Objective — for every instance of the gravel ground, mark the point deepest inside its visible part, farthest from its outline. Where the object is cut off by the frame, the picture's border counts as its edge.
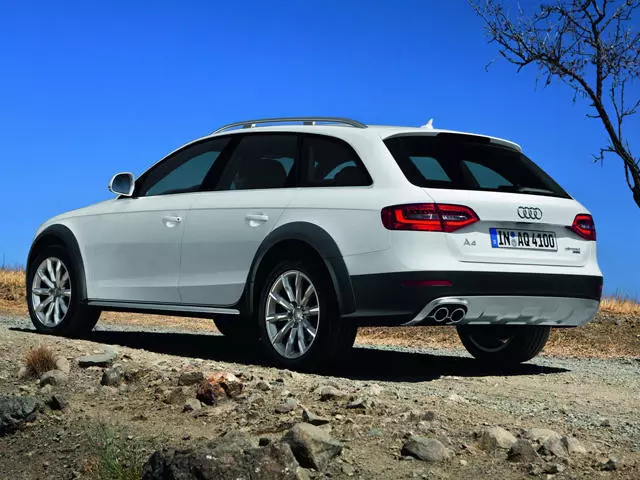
(593, 400)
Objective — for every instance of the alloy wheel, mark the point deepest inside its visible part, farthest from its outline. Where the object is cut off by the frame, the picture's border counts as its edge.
(51, 291)
(292, 314)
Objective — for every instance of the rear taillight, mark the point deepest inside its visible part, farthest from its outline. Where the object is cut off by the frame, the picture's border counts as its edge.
(430, 217)
(583, 225)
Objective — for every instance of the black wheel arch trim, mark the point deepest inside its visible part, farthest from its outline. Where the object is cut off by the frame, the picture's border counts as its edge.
(67, 239)
(322, 242)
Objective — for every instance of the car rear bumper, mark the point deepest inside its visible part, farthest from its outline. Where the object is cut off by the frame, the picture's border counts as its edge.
(396, 299)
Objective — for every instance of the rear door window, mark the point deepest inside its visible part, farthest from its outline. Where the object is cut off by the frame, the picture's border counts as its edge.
(469, 163)
(261, 161)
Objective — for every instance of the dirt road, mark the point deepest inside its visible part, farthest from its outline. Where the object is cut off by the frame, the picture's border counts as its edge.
(384, 397)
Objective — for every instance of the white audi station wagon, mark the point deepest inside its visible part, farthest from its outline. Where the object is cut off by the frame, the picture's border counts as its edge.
(296, 231)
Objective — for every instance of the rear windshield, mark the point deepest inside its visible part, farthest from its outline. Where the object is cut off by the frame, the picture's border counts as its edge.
(469, 163)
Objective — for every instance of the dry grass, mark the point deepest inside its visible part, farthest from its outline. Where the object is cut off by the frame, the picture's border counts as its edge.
(621, 304)
(614, 333)
(39, 360)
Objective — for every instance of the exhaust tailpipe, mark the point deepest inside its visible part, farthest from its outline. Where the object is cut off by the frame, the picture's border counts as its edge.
(449, 314)
(441, 314)
(458, 315)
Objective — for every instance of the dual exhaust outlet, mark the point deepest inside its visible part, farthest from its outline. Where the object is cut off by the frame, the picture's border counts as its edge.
(448, 314)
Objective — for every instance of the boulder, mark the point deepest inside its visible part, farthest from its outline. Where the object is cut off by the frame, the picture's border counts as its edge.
(63, 364)
(312, 446)
(192, 377)
(522, 452)
(553, 446)
(112, 377)
(102, 360)
(273, 462)
(426, 449)
(14, 411)
(287, 406)
(331, 393)
(176, 396)
(573, 446)
(53, 377)
(540, 435)
(494, 438)
(192, 405)
(313, 419)
(218, 387)
(57, 402)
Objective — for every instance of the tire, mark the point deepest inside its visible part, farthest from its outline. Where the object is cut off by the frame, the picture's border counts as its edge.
(503, 345)
(333, 337)
(236, 327)
(64, 290)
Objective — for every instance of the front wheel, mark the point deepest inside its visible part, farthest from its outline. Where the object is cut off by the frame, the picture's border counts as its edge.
(503, 345)
(298, 318)
(54, 295)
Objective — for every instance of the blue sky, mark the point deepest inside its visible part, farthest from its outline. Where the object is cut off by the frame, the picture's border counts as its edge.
(95, 88)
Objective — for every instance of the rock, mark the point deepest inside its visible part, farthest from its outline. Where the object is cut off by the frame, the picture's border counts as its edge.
(112, 377)
(422, 416)
(273, 462)
(573, 446)
(426, 449)
(264, 386)
(313, 419)
(192, 377)
(57, 402)
(553, 446)
(14, 411)
(102, 360)
(374, 389)
(331, 393)
(63, 364)
(53, 377)
(523, 452)
(192, 405)
(233, 440)
(540, 435)
(176, 396)
(23, 373)
(264, 441)
(312, 446)
(454, 397)
(608, 465)
(359, 403)
(287, 406)
(219, 386)
(495, 438)
(605, 422)
(553, 468)
(46, 390)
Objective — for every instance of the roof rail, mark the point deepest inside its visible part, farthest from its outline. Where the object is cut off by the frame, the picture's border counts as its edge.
(304, 120)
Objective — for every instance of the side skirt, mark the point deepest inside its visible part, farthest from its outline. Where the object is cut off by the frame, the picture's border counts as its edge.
(201, 311)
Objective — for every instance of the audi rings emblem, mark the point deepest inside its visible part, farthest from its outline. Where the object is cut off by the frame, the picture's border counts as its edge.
(530, 213)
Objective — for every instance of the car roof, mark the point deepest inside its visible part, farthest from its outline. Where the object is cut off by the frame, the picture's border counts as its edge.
(380, 131)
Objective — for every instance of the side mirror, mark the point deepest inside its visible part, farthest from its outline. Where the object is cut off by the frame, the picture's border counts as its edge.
(122, 184)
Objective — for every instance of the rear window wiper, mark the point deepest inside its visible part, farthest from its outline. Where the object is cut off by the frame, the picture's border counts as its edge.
(532, 190)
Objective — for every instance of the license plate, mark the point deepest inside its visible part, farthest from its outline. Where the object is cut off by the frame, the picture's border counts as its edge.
(523, 239)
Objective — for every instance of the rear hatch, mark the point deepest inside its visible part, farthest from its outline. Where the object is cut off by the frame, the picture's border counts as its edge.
(524, 216)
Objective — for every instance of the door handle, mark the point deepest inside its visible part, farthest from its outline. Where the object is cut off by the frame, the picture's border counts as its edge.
(171, 220)
(256, 219)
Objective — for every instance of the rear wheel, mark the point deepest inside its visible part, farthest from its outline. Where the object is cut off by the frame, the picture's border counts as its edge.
(503, 345)
(298, 317)
(54, 295)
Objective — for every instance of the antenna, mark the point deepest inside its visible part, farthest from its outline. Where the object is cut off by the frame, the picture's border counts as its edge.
(428, 125)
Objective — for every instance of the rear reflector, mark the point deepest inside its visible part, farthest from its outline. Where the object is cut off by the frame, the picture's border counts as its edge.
(584, 226)
(429, 217)
(426, 283)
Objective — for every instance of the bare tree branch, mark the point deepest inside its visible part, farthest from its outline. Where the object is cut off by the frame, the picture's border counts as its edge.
(589, 45)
